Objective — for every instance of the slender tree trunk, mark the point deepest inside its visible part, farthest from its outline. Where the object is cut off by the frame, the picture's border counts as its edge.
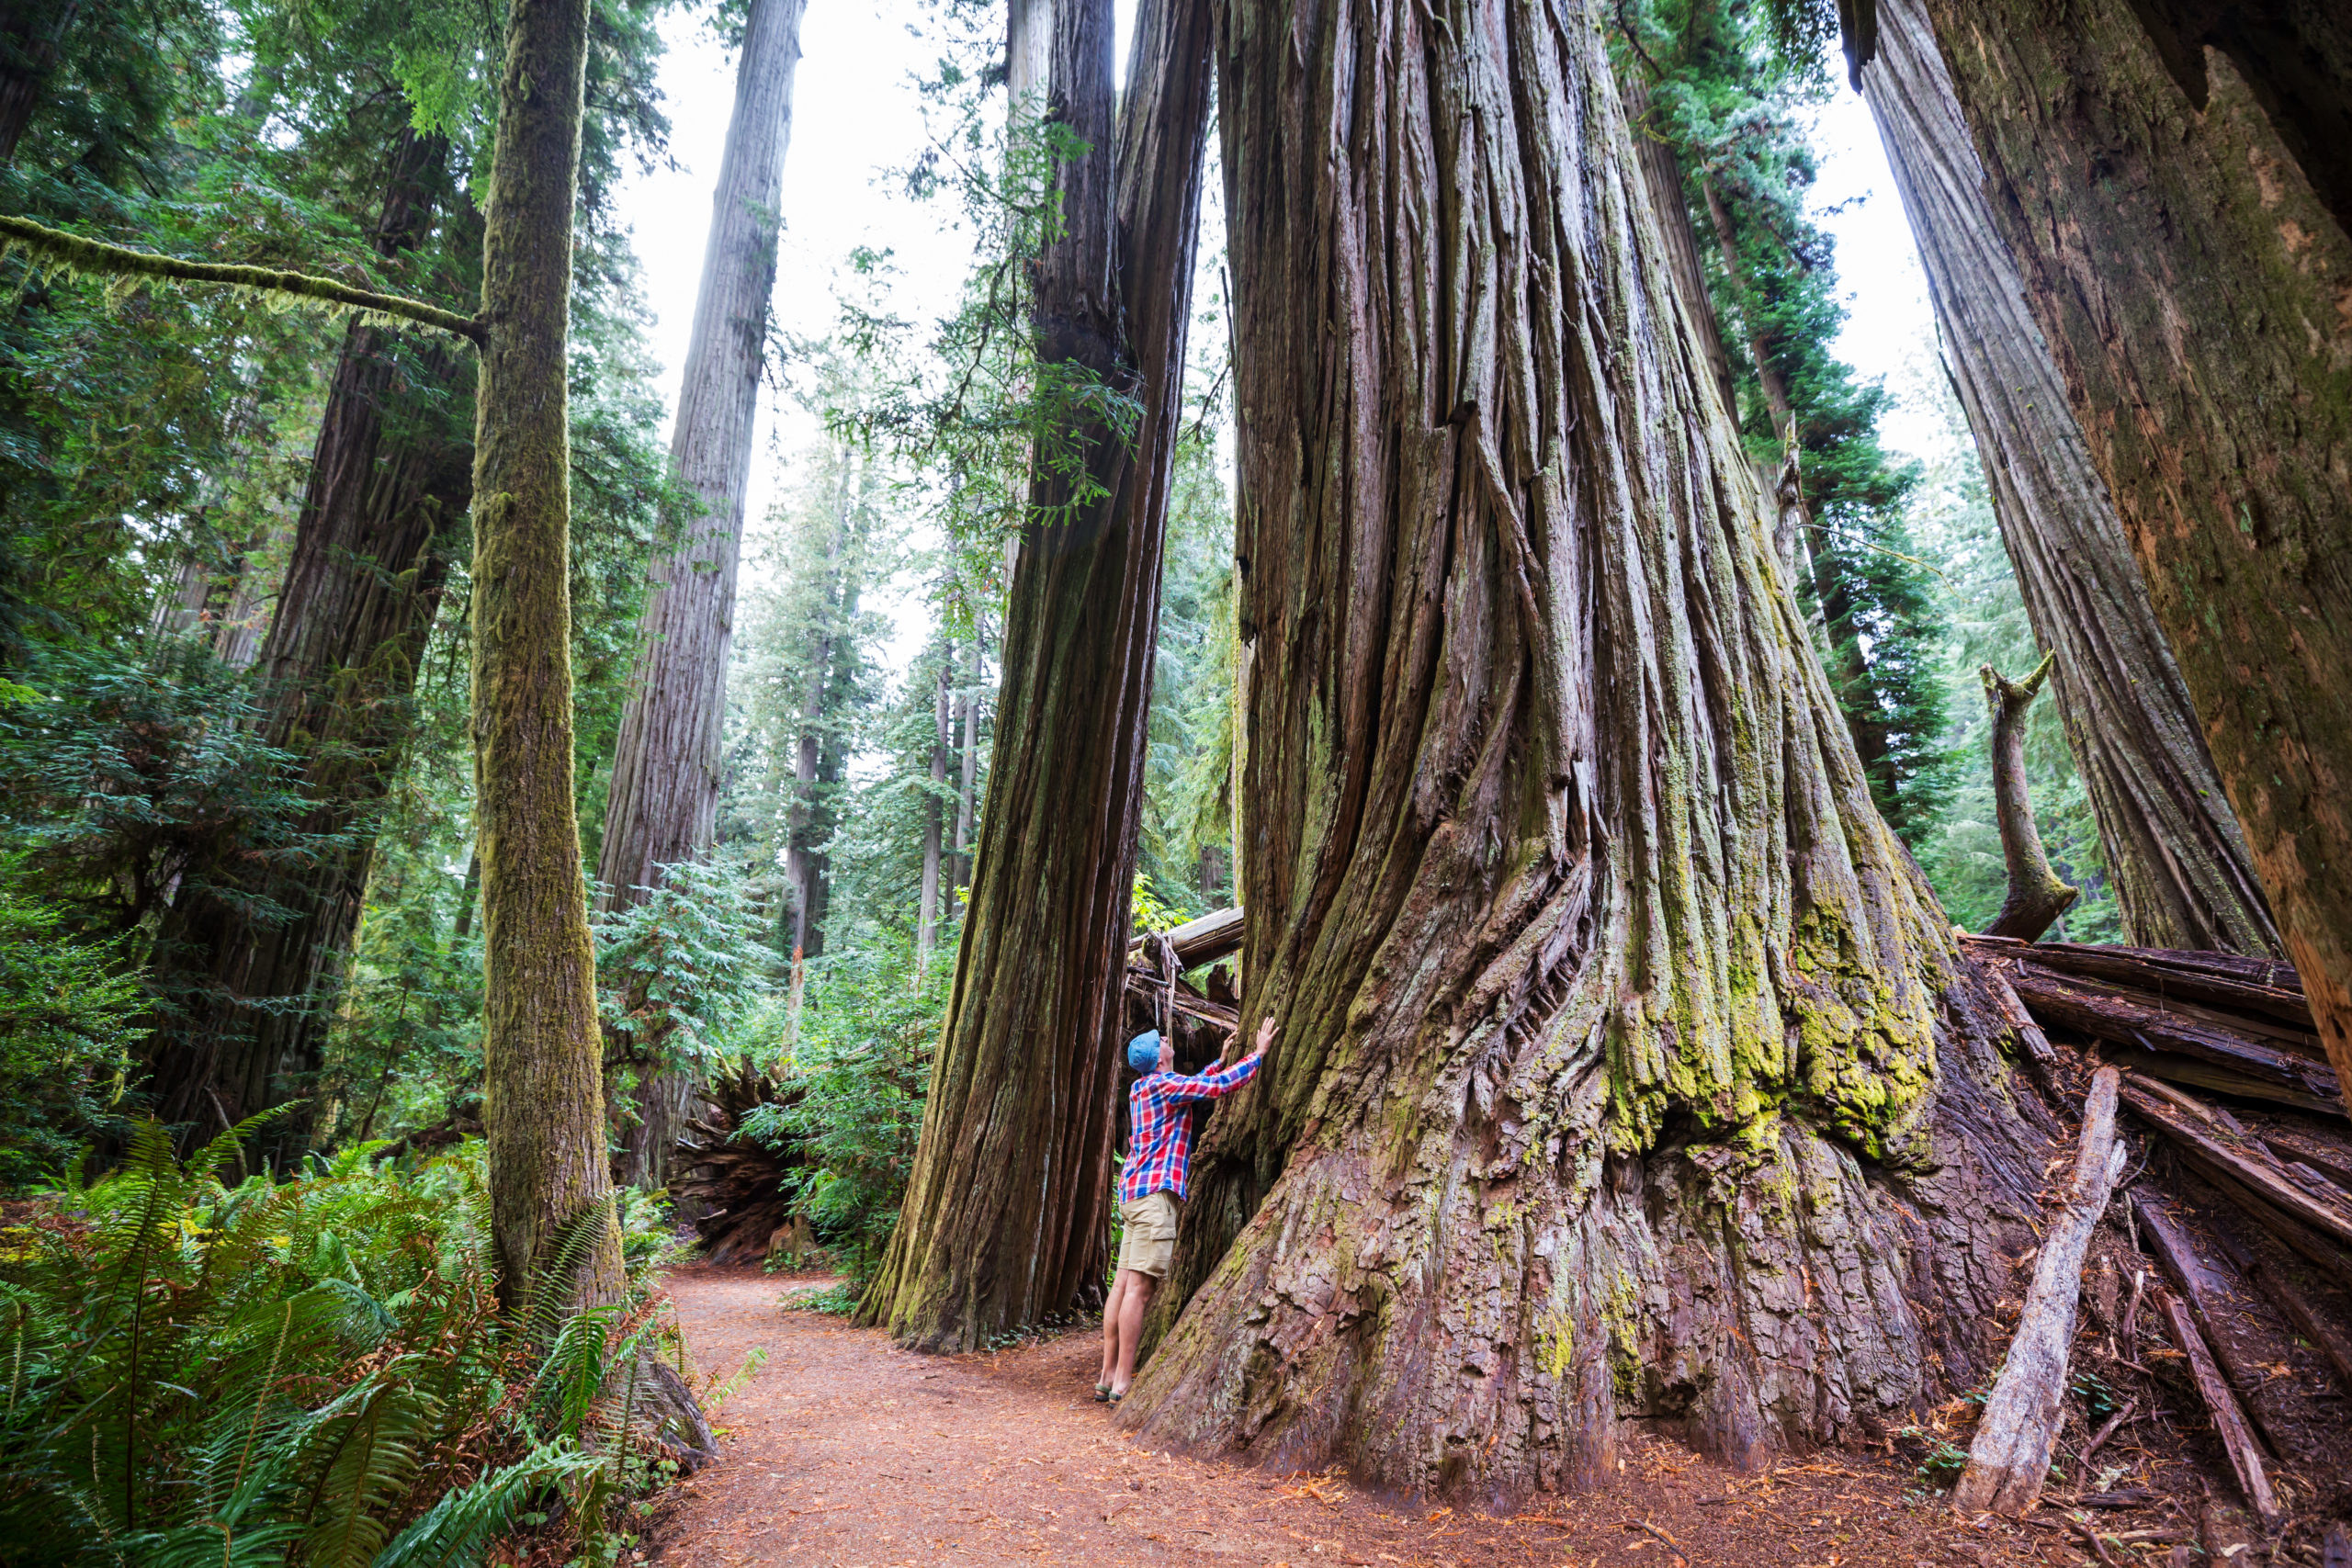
(246, 982)
(1005, 1216)
(2182, 874)
(542, 1053)
(808, 819)
(927, 912)
(1626, 1066)
(666, 761)
(2182, 236)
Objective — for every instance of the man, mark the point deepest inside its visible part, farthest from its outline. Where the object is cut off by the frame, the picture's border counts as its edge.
(1152, 1186)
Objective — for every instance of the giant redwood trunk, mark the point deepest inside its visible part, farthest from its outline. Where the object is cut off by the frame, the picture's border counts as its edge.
(1005, 1217)
(1626, 1066)
(543, 1088)
(245, 977)
(2182, 874)
(2177, 191)
(665, 801)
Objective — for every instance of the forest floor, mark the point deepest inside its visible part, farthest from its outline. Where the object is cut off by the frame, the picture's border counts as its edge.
(843, 1449)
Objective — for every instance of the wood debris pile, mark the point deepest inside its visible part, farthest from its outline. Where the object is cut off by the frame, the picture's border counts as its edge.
(2220, 1295)
(734, 1187)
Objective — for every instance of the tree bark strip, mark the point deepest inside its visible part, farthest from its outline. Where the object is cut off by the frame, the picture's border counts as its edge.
(1582, 935)
(1004, 1219)
(2215, 1150)
(542, 1078)
(2182, 874)
(666, 760)
(2009, 1459)
(2187, 268)
(2213, 1302)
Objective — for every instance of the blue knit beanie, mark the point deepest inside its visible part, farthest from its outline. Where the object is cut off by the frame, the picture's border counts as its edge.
(1143, 1052)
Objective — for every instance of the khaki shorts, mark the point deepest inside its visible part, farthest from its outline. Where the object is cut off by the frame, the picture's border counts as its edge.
(1147, 1241)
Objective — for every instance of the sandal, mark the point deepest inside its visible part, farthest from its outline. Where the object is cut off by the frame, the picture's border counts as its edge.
(1102, 1394)
(1114, 1397)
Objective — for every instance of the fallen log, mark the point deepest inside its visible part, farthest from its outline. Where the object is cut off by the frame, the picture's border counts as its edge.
(2229, 1421)
(2209, 1146)
(2104, 1013)
(2213, 1300)
(2226, 980)
(1198, 942)
(2289, 1298)
(2040, 1056)
(2220, 1080)
(2009, 1459)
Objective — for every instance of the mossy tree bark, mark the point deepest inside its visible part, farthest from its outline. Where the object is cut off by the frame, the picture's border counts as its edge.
(2177, 196)
(543, 1080)
(2182, 874)
(1004, 1219)
(245, 981)
(666, 761)
(1626, 1066)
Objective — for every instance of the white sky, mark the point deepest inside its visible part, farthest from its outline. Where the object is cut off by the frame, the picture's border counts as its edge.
(856, 115)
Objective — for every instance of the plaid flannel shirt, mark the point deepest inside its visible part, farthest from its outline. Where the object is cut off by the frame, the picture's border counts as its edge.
(1159, 1136)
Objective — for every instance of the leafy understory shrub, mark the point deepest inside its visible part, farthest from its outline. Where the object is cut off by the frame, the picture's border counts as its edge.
(868, 1028)
(312, 1371)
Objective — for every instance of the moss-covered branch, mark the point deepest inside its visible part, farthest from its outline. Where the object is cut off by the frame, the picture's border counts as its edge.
(82, 255)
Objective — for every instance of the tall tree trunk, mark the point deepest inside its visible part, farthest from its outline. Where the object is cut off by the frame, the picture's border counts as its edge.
(927, 911)
(1626, 1066)
(2177, 205)
(246, 981)
(968, 711)
(666, 760)
(542, 1055)
(2182, 874)
(1005, 1219)
(808, 819)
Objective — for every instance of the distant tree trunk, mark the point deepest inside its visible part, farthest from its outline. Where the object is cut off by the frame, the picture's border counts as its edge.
(543, 1078)
(2182, 874)
(666, 761)
(1028, 52)
(927, 913)
(808, 818)
(2177, 203)
(31, 32)
(1626, 1066)
(1004, 1219)
(2036, 894)
(246, 990)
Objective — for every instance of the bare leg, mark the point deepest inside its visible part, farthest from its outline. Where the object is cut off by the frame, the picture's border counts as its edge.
(1138, 1289)
(1111, 1325)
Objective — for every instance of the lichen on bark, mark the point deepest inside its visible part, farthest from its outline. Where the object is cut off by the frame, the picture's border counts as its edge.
(1626, 1066)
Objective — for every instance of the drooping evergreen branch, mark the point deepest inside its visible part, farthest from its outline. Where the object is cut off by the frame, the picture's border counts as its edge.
(86, 255)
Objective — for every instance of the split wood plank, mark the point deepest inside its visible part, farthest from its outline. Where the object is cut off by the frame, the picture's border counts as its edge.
(2215, 1300)
(2009, 1459)
(2229, 1421)
(2040, 1055)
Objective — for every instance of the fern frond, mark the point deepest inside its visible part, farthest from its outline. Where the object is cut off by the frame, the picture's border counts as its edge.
(460, 1527)
(374, 1462)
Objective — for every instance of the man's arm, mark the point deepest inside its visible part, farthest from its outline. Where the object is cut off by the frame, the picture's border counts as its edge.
(1221, 1081)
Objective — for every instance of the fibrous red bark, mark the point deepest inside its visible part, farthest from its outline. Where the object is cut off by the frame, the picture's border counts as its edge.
(2182, 876)
(245, 980)
(2175, 185)
(666, 760)
(1005, 1218)
(1626, 1066)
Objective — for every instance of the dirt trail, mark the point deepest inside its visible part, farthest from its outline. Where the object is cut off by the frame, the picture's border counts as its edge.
(847, 1450)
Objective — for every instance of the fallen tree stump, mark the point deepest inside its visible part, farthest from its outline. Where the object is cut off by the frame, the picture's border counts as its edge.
(2009, 1459)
